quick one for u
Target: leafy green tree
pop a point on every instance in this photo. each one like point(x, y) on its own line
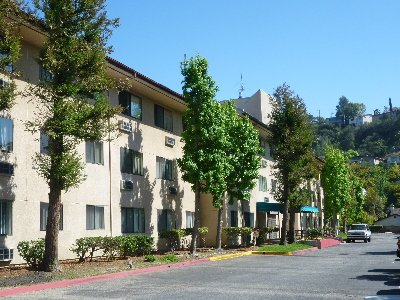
point(10, 48)
point(347, 110)
point(204, 163)
point(337, 183)
point(292, 136)
point(243, 157)
point(72, 106)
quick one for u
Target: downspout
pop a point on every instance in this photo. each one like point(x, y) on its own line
point(109, 176)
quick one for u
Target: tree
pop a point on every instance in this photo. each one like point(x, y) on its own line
point(10, 47)
point(243, 157)
point(348, 110)
point(336, 182)
point(292, 137)
point(204, 163)
point(72, 106)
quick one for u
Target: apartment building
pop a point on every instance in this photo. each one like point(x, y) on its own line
point(133, 185)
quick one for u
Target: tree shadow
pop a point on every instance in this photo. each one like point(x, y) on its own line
point(390, 277)
point(141, 195)
point(391, 253)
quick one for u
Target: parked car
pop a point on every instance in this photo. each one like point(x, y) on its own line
point(398, 247)
point(358, 232)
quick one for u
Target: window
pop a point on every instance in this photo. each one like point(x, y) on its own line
point(5, 217)
point(164, 168)
point(131, 161)
point(273, 184)
point(132, 220)
point(264, 147)
point(44, 75)
point(44, 212)
point(234, 218)
point(6, 168)
point(6, 135)
point(132, 105)
point(189, 219)
point(44, 143)
point(6, 254)
point(248, 219)
point(166, 220)
point(163, 118)
point(262, 184)
point(94, 217)
point(6, 58)
point(94, 152)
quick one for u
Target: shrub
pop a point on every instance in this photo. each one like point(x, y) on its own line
point(111, 246)
point(149, 258)
point(376, 228)
point(263, 232)
point(314, 233)
point(234, 232)
point(169, 258)
point(32, 252)
point(85, 247)
point(145, 244)
point(174, 237)
point(133, 245)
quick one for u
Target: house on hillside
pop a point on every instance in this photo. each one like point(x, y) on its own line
point(361, 120)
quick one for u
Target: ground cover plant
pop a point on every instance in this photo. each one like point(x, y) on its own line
point(284, 248)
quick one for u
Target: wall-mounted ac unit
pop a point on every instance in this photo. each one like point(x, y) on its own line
point(264, 163)
point(169, 141)
point(125, 126)
point(173, 190)
point(126, 185)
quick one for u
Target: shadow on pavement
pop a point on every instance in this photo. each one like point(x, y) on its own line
point(390, 277)
point(393, 253)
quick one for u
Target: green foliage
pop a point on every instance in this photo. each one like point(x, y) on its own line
point(347, 110)
point(237, 231)
point(10, 49)
point(149, 258)
point(32, 252)
point(85, 247)
point(314, 233)
point(263, 232)
point(286, 248)
point(134, 245)
point(169, 258)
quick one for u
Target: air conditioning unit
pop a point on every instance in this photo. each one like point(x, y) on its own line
point(264, 163)
point(169, 141)
point(126, 185)
point(125, 126)
point(173, 190)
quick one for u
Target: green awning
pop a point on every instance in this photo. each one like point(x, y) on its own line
point(267, 207)
point(309, 209)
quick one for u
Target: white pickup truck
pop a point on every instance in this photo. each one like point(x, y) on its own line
point(358, 232)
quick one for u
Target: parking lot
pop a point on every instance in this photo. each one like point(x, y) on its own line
point(347, 271)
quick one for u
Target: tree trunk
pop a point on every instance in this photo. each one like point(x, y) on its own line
point(285, 216)
point(292, 219)
point(334, 221)
point(219, 230)
point(50, 259)
point(196, 224)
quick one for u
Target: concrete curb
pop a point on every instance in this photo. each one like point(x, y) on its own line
point(227, 256)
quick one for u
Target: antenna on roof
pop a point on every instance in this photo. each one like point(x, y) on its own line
point(241, 86)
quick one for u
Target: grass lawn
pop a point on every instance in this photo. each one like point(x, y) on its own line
point(287, 248)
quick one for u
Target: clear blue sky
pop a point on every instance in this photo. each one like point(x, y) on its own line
point(322, 49)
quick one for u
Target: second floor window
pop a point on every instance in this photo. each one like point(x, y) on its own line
point(131, 161)
point(163, 118)
point(94, 152)
point(6, 135)
point(164, 168)
point(132, 105)
point(262, 184)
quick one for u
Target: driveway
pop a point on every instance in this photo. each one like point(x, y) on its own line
point(347, 271)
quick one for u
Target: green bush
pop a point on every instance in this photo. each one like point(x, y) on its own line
point(111, 246)
point(32, 252)
point(169, 258)
point(134, 245)
point(314, 233)
point(234, 232)
point(86, 247)
point(149, 258)
point(263, 232)
point(376, 228)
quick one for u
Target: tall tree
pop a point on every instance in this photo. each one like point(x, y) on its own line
point(72, 106)
point(336, 180)
point(10, 47)
point(204, 163)
point(348, 110)
point(292, 136)
point(243, 157)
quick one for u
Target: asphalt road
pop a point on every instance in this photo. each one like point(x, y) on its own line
point(347, 271)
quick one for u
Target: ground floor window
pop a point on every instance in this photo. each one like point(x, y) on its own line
point(248, 219)
point(94, 217)
point(132, 220)
point(166, 220)
point(44, 212)
point(234, 218)
point(189, 219)
point(5, 217)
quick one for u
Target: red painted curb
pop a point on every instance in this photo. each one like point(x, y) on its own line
point(70, 282)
